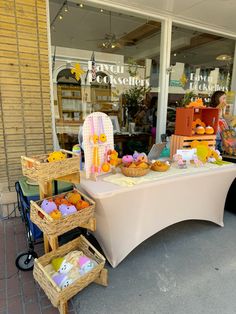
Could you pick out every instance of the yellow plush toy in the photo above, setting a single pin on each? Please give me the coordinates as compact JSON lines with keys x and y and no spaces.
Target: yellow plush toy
{"x":56,"y":156}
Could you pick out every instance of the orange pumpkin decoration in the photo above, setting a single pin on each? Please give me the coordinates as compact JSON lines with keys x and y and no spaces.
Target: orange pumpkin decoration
{"x":195,"y":104}
{"x":55,"y":214}
{"x":209,"y":130}
{"x":73,"y":198}
{"x":200,"y":130}
{"x":81,"y":205}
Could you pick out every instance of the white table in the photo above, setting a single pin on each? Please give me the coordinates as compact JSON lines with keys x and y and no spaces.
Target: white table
{"x":126,"y":216}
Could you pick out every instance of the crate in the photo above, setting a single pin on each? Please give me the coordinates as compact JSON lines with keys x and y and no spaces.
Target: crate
{"x":56,"y":227}
{"x":186,"y":116}
{"x":179,"y":142}
{"x":57,"y":296}
{"x":34,"y":167}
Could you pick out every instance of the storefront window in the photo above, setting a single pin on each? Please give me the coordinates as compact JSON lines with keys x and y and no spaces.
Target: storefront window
{"x":201,"y":63}
{"x":105,"y":61}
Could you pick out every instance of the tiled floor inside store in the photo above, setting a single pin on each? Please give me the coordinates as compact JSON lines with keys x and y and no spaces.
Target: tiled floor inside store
{"x":188,"y":268}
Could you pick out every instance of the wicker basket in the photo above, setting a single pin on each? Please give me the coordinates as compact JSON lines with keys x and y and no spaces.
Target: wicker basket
{"x":53,"y":292}
{"x":56,"y":227}
{"x":134,"y":172}
{"x":34,"y":167}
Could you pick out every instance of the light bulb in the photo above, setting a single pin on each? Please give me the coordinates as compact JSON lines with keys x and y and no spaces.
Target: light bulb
{"x":101,"y":10}
{"x":81,"y":5}
{"x":66,"y":8}
{"x":60,"y":17}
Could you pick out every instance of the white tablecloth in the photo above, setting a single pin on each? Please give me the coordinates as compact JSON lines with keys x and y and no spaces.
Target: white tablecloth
{"x":126,"y":216}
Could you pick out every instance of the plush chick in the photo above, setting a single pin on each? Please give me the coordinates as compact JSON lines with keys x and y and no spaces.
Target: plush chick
{"x":56,"y":156}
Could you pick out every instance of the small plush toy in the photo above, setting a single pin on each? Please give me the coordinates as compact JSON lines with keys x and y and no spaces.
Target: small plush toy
{"x":81,"y":204}
{"x":48,"y":206}
{"x":140,"y":157}
{"x":55,"y":214}
{"x":127,"y":159}
{"x":73,"y":198}
{"x":56,"y":156}
{"x":62,"y":280}
{"x":86,"y":265}
{"x":112,"y":157}
{"x":67,"y":210}
{"x":213,"y":155}
{"x":61,"y":265}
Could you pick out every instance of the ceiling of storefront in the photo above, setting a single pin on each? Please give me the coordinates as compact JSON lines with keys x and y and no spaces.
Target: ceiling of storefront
{"x":85,"y":28}
{"x":216,"y":13}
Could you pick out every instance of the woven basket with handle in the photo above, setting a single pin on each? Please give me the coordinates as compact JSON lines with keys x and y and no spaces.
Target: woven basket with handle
{"x":56,"y":227}
{"x":38,"y":169}
{"x":53,"y":292}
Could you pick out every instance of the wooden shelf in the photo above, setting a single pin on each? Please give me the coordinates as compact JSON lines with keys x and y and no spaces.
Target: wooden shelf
{"x":70,"y":110}
{"x":71,"y":97}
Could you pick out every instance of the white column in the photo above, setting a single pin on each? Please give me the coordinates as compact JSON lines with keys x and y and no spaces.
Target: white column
{"x":233,"y":82}
{"x":165,"y":51}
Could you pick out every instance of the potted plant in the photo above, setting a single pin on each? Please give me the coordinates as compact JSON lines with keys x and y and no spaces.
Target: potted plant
{"x":134,"y":100}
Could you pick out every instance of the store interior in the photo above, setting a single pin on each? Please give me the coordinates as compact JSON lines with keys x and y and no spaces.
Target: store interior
{"x":128,"y":47}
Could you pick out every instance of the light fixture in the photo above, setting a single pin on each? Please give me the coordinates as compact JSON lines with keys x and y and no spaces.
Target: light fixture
{"x":101,"y":10}
{"x":66,"y":8}
{"x":81,"y":5}
{"x":175,"y":54}
{"x":224,"y":57}
{"x":60,"y":16}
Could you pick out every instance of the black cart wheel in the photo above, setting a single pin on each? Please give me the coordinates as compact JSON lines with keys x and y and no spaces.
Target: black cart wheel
{"x":25,"y":261}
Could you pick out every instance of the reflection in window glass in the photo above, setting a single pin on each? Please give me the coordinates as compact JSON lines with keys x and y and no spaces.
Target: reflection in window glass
{"x":201,"y":63}
{"x":104,"y":61}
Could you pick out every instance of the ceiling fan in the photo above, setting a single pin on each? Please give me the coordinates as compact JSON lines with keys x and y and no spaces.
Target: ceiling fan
{"x":111,"y":40}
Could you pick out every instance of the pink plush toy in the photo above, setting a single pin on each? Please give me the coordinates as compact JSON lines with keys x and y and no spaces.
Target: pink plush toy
{"x":48,"y":206}
{"x":127,"y":159}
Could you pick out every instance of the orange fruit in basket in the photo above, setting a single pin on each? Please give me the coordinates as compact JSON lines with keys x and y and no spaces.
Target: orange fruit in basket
{"x":81,"y":204}
{"x":74,"y":198}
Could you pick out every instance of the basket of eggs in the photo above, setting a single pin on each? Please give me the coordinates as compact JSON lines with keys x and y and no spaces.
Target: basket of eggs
{"x":160,"y":166}
{"x":61,"y":213}
{"x":134,"y":168}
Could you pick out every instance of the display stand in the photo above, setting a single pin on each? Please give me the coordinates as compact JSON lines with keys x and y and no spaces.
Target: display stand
{"x":45,"y":190}
{"x":96,"y":125}
{"x":34,"y":169}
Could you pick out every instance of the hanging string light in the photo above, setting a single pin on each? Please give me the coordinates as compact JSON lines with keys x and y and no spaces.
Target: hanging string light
{"x":64,"y":8}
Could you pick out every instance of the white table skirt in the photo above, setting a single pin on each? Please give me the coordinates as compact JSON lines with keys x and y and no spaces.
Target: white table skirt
{"x":126,"y":216}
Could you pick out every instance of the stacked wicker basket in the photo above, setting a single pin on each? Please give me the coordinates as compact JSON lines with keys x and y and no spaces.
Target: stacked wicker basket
{"x":44,"y":173}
